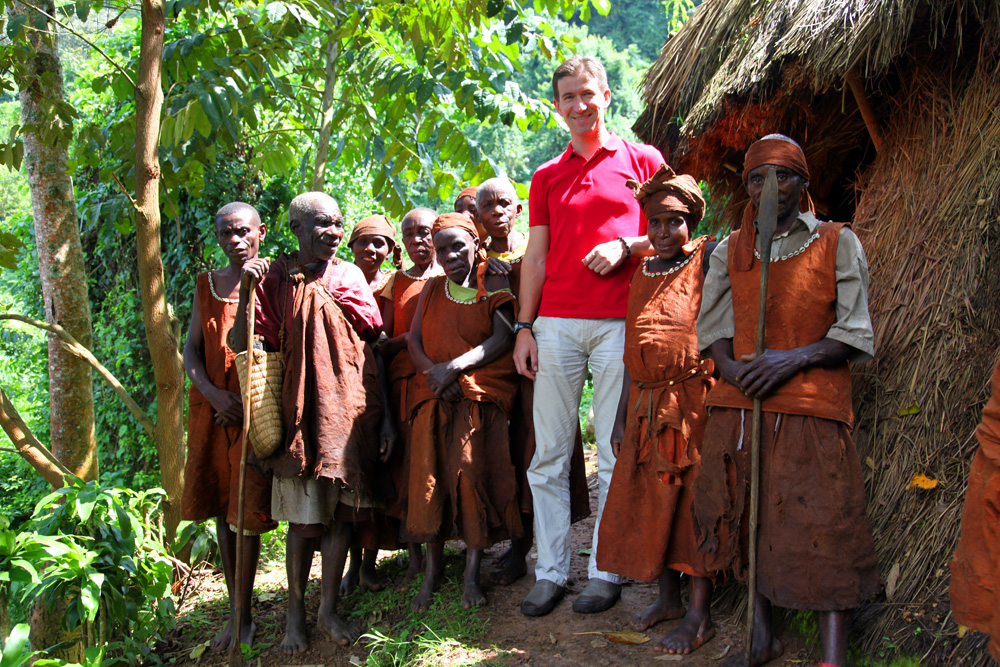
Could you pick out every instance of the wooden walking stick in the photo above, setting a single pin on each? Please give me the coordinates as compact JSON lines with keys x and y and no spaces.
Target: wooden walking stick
{"x":767,"y":221}
{"x":236,"y":652}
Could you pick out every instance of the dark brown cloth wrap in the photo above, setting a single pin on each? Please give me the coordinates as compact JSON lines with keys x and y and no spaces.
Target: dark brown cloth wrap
{"x":975,"y":570}
{"x":670,"y":191}
{"x":211,"y":472}
{"x":331,"y":403}
{"x":647,"y":523}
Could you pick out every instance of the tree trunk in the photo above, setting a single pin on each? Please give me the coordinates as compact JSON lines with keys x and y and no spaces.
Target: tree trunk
{"x":326,"y":121}
{"x":60,"y":254}
{"x":161,"y":332}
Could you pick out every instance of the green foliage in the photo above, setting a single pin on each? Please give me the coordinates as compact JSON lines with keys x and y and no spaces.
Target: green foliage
{"x":97,"y":549}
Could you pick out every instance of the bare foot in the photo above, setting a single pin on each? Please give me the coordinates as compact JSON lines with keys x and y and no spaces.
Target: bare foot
{"x":335,"y":629}
{"x":371,"y":580}
{"x":222,"y":640}
{"x":295,"y":640}
{"x":654,"y":613}
{"x":422,"y":602}
{"x":771,"y":651}
{"x":512,"y":570}
{"x":473,"y":595}
{"x":694,"y":631}
{"x":415,"y":567}
{"x":350,"y":582}
{"x":505,"y":556}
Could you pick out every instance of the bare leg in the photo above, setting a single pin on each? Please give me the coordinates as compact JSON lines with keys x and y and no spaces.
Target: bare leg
{"x":371,"y":580}
{"x":432,"y":577}
{"x":766,"y":647}
{"x":666,"y":607}
{"x":697,"y":627}
{"x":334,"y":547}
{"x":473,"y":595}
{"x":298,"y":559}
{"x":350,"y":580}
{"x":416,"y":564}
{"x":833,"y":630}
{"x":513,"y":560}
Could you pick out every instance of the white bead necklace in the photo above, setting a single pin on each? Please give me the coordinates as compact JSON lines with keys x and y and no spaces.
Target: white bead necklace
{"x":211,"y":288}
{"x":801,"y":250}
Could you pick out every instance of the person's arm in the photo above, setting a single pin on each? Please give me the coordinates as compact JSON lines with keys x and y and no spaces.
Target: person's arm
{"x":392,"y":346}
{"x":253,"y":272}
{"x":442,"y":376}
{"x":606,"y":257}
{"x":415,"y":343}
{"x":228,"y":406}
{"x":532,"y":278}
{"x":387,"y":430}
{"x":760,"y":377}
{"x":618,"y":430}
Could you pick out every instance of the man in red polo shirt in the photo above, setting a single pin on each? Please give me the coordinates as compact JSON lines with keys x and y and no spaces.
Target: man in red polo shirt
{"x":587,"y":233}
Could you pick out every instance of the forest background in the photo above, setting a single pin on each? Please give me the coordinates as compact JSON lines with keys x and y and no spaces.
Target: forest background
{"x":420,"y":100}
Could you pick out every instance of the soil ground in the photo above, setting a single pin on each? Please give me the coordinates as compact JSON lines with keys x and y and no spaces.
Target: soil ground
{"x":500,"y":634}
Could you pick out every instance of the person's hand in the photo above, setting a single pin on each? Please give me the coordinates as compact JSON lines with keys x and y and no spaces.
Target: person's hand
{"x":439,"y":376}
{"x":617,"y":435}
{"x":387,"y":439}
{"x":605,"y":257}
{"x":228,"y":407}
{"x":730,"y":371}
{"x":453,"y":392}
{"x":759,"y":377}
{"x":497,"y":267}
{"x":254,"y":270}
{"x":526,"y":354}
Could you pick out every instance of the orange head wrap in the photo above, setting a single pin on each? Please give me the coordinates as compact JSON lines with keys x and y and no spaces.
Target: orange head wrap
{"x":471,"y":192}
{"x":467,"y":192}
{"x":462,"y":221}
{"x":770,"y":150}
{"x":378,"y":225}
{"x":673,"y":192}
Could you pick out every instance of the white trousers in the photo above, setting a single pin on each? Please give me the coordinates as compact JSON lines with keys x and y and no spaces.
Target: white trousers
{"x":565,"y":348}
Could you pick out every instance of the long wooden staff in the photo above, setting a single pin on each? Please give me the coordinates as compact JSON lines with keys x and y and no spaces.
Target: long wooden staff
{"x":767,"y":221}
{"x":236,"y":652}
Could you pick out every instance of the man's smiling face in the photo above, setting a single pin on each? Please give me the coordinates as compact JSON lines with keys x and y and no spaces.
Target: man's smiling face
{"x":582,"y":102}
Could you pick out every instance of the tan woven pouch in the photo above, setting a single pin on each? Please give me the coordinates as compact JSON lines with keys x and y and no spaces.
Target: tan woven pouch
{"x":266,"y":430}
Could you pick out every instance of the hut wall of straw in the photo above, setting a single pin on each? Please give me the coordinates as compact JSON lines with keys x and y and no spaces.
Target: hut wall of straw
{"x":927,"y":209}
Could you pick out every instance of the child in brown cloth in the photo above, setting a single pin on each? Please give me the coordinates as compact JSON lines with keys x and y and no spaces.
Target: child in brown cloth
{"x":215,"y":417}
{"x":498,"y":207}
{"x":372,"y":240}
{"x":320,"y":313}
{"x":814,"y":543}
{"x":975,"y":570}
{"x":462,"y":483}
{"x":646,"y":532}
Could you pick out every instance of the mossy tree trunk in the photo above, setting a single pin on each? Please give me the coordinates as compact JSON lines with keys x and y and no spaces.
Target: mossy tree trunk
{"x":162,"y":332}
{"x":57,"y":237}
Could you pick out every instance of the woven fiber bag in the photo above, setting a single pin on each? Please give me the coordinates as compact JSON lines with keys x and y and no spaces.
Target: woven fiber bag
{"x":266,"y":432}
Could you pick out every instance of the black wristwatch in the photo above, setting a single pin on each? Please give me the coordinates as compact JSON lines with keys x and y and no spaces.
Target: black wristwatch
{"x":522,"y":325}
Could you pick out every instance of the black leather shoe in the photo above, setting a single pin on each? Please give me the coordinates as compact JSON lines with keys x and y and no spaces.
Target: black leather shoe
{"x":599,"y":595}
{"x":542,"y":598}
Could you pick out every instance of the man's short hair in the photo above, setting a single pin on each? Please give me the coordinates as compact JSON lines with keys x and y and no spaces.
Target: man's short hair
{"x":574,"y":67}
{"x":304,"y":206}
{"x":493,"y":184}
{"x":418,"y":213}
{"x":236,"y":207}
{"x":782,"y":137}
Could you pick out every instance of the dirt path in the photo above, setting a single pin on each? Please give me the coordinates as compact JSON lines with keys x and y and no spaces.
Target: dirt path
{"x":506,"y":637}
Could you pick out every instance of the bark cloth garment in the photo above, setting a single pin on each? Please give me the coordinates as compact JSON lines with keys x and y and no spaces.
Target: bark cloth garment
{"x":975,"y":570}
{"x":331,"y":404}
{"x":212,"y":470}
{"x":815,"y":548}
{"x":647,"y":522}
{"x":462,"y":482}
{"x":522,"y":424}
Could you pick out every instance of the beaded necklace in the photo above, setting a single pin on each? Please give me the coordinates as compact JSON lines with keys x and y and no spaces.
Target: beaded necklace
{"x":211,"y":288}
{"x":674,"y":269}
{"x":808,"y":242}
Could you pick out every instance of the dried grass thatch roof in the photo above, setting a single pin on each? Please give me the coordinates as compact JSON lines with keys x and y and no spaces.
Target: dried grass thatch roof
{"x":926,"y":205}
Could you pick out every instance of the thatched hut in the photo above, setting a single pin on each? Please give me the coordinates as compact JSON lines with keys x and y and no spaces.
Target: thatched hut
{"x":897,"y":105}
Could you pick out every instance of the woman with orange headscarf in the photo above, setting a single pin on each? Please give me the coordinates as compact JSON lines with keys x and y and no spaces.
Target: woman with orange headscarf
{"x":815,"y":548}
{"x":462,"y":483}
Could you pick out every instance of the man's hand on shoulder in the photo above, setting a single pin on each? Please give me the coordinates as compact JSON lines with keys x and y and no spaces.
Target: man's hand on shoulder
{"x":526,"y":354}
{"x":605,"y":257}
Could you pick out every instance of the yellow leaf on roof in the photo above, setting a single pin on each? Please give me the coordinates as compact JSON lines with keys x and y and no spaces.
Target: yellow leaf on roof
{"x":922,"y":482}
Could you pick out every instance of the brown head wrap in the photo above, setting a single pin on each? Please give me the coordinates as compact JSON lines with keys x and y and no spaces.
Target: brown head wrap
{"x":471,"y":192}
{"x":460,"y":220}
{"x":378,"y":225}
{"x":673,"y":192}
{"x":781,"y":152}
{"x":467,"y":192}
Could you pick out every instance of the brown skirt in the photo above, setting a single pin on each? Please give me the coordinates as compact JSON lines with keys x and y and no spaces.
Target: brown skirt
{"x":212,"y":474}
{"x":522,"y":450}
{"x":647,"y":523}
{"x":815,"y":548}
{"x":975,"y":570}
{"x":462,"y":482}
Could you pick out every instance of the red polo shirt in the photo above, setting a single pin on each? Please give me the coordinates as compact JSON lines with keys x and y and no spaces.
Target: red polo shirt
{"x":583,"y":203}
